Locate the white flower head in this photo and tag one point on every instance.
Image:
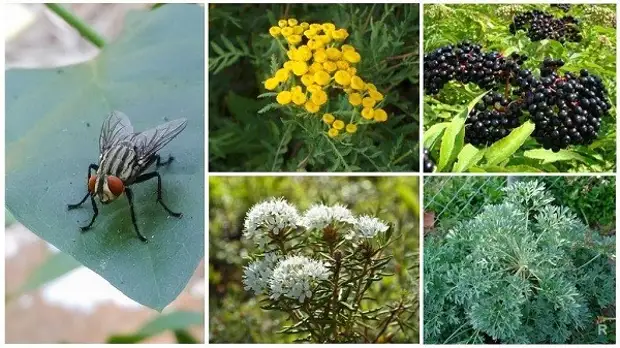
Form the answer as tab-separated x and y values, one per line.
256	275
367	227
271	216
320	216
296	277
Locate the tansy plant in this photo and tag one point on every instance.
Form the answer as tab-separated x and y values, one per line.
318	267
320	77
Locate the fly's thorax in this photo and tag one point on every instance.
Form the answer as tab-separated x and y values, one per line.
119	161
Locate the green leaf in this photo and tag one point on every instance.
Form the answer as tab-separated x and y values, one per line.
548	156
54	267
452	140
432	134
505	147
469	156
175	321
154	72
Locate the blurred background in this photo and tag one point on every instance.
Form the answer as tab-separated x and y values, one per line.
50	298
234	314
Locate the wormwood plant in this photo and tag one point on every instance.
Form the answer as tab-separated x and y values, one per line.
523	271
318	267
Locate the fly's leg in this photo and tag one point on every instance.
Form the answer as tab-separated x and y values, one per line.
129	195
95	211
152	175
73	206
159	163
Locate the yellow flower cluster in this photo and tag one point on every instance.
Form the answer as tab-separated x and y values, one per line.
317	61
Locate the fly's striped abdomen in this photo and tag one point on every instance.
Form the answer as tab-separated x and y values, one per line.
119	161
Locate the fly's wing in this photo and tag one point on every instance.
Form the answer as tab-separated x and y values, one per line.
150	141
115	128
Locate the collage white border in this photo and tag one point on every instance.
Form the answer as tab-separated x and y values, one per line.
420	175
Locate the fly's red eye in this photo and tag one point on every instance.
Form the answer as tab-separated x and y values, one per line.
91	183
115	185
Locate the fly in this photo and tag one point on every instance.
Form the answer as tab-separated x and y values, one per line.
124	157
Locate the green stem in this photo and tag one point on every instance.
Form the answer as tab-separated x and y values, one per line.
82	27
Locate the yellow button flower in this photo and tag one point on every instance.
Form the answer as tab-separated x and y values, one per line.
323	38
321	77
377	96
316	27
332	132
357	83
371	86
287	31
310	33
297	89
300	68
293	39
304	53
288	65
282	74
338	124
328	118
380	115
298	30
328	26
314	88
307	79
299	98
319	97
351	56
340	34
315	67
342	78
311	107
305	25
368	113
292	22
284	97
282	23
368	102
355	99
333	53
352	71
342	64
351	128
320	56
292	53
271	83
313	45
330	66
346	48
275	31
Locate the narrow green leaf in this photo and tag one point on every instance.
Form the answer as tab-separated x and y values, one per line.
451	142
468	157
432	134
507	146
548	156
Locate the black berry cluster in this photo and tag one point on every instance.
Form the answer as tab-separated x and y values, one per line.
429	165
541	25
466	62
491	119
567	109
563	7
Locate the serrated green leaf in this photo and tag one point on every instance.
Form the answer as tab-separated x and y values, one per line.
452	140
507	146
548	156
469	156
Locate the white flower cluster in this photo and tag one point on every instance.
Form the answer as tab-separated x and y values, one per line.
272	216
367	227
320	216
256	275
276	215
296	277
